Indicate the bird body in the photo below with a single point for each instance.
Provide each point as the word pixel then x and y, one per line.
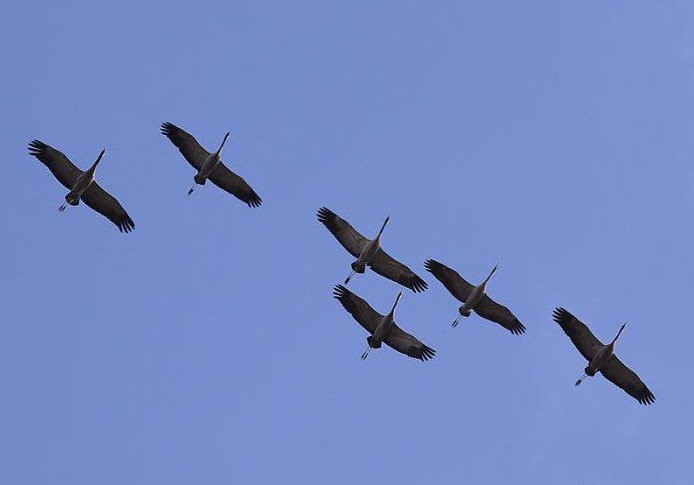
pixel 84 180
pixel 209 165
pixel 386 324
pixel 474 297
pixel 381 328
pixel 81 185
pixel 369 252
pixel 601 358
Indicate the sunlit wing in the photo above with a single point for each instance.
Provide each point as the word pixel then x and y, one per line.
pixel 56 161
pixel 362 312
pixel 345 234
pixel 186 144
pixel 584 340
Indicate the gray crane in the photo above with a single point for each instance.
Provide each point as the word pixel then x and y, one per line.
pixel 369 252
pixel 474 297
pixel 381 328
pixel 209 165
pixel 81 185
pixel 601 357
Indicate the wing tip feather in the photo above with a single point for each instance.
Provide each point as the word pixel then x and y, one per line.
pixel 126 224
pixel 426 353
pixel 517 328
pixel 324 214
pixel 36 147
pixel 339 292
pixel 418 285
pixel 167 128
pixel 560 315
pixel 254 200
pixel 646 397
pixel 431 265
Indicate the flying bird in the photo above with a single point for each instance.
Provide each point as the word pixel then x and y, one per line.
pixel 601 357
pixel 369 252
pixel 209 165
pixel 382 328
pixel 81 185
pixel 474 297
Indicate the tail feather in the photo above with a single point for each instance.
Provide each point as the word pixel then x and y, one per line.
pixel 372 343
pixel 199 180
pixel 358 268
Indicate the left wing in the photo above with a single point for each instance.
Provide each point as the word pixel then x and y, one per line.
pixel 394 270
pixel 620 375
pixel 491 310
pixel 227 180
pixel 107 205
pixel 406 344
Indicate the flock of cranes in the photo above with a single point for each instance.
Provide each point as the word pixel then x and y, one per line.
pixel 368 253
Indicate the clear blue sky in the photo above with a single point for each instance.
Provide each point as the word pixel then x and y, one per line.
pixel 554 138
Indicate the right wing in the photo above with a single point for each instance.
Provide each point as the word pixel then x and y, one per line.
pixel 361 311
pixel 346 235
pixel 61 167
pixel 584 340
pixel 186 144
pixel 453 282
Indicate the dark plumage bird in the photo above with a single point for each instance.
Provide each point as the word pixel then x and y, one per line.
pixel 369 253
pixel 381 328
pixel 474 297
pixel 81 185
pixel 209 165
pixel 601 357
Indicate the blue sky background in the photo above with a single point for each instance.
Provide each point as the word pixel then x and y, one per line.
pixel 551 137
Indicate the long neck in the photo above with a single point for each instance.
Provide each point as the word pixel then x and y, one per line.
pixel 93 167
pixel 219 150
pixel 618 334
pixel 490 275
pixel 378 236
pixel 392 310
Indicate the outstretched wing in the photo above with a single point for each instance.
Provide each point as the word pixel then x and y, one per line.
pixel 620 375
pixel 345 234
pixel 491 310
pixel 227 180
pixel 453 282
pixel 56 161
pixel 107 205
pixel 584 340
pixel 362 312
pixel 406 344
pixel 394 270
pixel 186 144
